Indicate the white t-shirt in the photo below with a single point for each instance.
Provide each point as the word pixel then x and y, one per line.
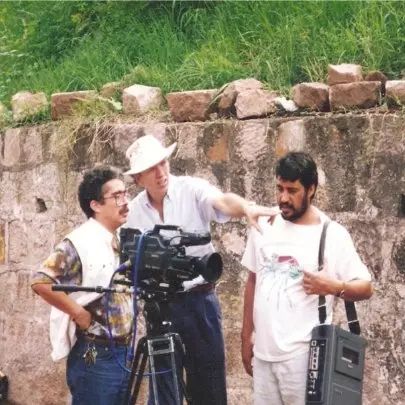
pixel 284 315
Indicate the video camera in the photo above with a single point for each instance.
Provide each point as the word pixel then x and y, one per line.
pixel 162 262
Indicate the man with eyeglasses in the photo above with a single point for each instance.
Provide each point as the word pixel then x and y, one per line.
pixel 79 326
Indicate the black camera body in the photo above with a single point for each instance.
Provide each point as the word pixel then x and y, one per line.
pixel 162 262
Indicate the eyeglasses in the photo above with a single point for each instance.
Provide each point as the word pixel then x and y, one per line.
pixel 120 197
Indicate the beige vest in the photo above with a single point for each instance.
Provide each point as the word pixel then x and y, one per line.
pixel 93 245
pixel 95 251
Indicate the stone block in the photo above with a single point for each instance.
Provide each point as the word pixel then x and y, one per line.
pixel 12 149
pixel 395 92
pixel 228 96
pixel 291 136
pixel 187 137
pixel 312 95
pixel 187 154
pixel 139 99
pixel 123 136
pixel 2 243
pixel 18 242
pixel 255 103
pixel 344 73
pixel 376 76
pixel 32 146
pixel 190 105
pixel 250 141
pixel 30 242
pixel 385 136
pixel 355 95
pixel 26 104
pixel 387 183
pixel 332 141
pixel 64 104
pixel 10 193
pixel 215 143
pixel 252 160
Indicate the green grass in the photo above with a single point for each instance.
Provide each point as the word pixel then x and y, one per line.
pixel 66 46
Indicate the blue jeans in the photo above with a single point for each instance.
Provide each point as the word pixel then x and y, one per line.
pixel 196 316
pixel 103 383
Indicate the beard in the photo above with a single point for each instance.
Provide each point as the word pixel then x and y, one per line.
pixel 295 213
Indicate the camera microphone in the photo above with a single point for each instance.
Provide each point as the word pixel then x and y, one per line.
pixel 74 288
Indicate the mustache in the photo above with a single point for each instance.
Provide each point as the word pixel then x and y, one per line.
pixel 285 205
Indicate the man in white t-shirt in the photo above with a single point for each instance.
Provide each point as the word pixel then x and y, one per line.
pixel 284 282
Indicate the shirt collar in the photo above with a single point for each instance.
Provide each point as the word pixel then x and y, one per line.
pixel 169 194
pixel 170 188
pixel 106 234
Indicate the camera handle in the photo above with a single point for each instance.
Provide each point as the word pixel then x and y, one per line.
pixel 158 228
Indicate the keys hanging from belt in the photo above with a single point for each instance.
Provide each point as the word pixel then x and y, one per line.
pixel 90 355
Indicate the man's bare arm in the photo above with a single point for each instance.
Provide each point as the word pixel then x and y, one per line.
pixel 248 326
pixel 321 283
pixel 235 206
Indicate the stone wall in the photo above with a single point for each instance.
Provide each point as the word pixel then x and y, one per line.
pixel 361 160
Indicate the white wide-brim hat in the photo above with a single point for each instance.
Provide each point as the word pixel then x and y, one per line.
pixel 146 152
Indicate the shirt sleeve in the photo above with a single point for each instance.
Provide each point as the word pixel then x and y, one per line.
pixel 349 266
pixel 250 258
pixel 62 266
pixel 205 194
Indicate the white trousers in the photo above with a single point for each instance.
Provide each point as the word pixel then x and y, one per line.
pixel 280 383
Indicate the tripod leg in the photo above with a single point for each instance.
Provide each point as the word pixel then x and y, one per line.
pixel 138 380
pixel 136 372
pixel 163 358
pixel 180 378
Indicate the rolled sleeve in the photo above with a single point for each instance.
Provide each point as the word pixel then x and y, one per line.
pixel 206 194
pixel 349 265
pixel 62 266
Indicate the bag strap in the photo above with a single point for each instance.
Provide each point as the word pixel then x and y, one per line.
pixel 351 313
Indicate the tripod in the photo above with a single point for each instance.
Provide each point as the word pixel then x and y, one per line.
pixel 159 341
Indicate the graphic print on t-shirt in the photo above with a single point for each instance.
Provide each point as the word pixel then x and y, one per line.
pixel 278 272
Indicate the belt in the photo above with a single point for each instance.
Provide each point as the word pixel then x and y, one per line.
pixel 202 288
pixel 91 337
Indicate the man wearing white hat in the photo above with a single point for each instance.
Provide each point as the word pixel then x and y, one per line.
pixel 191 203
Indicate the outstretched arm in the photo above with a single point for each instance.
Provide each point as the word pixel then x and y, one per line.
pixel 235 206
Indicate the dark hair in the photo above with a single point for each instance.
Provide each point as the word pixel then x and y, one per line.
pixel 298 166
pixel 91 187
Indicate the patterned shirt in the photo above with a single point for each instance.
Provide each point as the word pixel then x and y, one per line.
pixel 64 266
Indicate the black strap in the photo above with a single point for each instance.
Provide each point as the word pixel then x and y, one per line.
pixel 322 301
pixel 351 314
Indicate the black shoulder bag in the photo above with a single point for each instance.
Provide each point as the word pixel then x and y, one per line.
pixel 336 356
